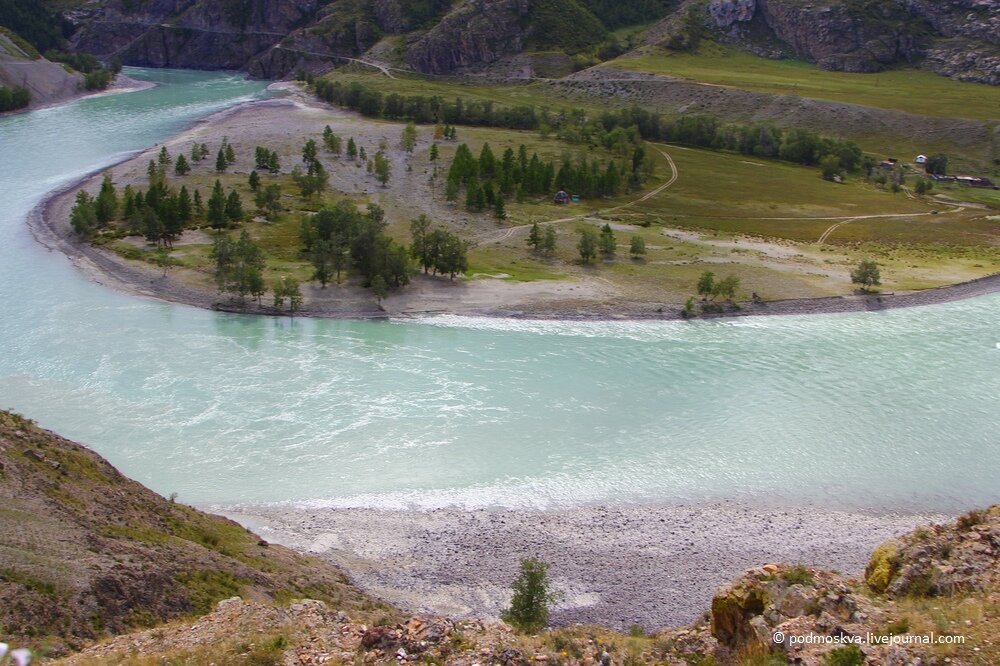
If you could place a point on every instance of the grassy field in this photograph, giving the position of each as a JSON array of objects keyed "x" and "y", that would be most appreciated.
[{"x": 910, "y": 90}]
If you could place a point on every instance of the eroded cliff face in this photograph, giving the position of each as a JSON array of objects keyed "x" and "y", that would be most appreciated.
[
  {"x": 196, "y": 34},
  {"x": 959, "y": 38},
  {"x": 477, "y": 32}
]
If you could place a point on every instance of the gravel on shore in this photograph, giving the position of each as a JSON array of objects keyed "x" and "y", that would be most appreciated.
[{"x": 615, "y": 566}]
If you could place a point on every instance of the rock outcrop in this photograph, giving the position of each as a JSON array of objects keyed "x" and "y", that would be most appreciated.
[
  {"x": 194, "y": 34},
  {"x": 478, "y": 31},
  {"x": 727, "y": 12}
]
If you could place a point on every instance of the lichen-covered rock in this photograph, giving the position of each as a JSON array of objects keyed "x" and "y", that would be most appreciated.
[
  {"x": 883, "y": 566},
  {"x": 943, "y": 559}
]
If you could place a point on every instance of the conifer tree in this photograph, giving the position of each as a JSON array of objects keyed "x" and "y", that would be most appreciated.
[
  {"x": 234, "y": 207},
  {"x": 217, "y": 207},
  {"x": 182, "y": 168},
  {"x": 535, "y": 237}
]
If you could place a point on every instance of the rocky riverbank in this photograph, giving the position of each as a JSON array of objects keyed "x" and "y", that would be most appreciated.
[{"x": 615, "y": 566}]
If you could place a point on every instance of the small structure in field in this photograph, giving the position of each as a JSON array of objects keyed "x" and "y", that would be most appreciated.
[
  {"x": 561, "y": 198},
  {"x": 921, "y": 159}
]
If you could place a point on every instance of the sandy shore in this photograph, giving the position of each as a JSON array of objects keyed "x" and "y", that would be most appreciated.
[
  {"x": 651, "y": 565},
  {"x": 287, "y": 119}
]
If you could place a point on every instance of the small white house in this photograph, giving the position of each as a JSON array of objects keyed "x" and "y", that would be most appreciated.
[{"x": 921, "y": 159}]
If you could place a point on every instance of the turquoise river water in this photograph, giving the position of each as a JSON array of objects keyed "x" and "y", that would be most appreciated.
[{"x": 894, "y": 410}]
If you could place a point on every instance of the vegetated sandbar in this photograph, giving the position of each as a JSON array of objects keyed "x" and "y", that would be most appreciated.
[
  {"x": 653, "y": 565},
  {"x": 570, "y": 299}
]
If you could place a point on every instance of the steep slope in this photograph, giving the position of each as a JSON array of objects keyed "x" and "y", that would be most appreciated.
[
  {"x": 195, "y": 34},
  {"x": 84, "y": 551},
  {"x": 47, "y": 81},
  {"x": 959, "y": 38}
]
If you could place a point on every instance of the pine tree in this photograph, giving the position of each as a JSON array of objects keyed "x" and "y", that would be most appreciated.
[
  {"x": 332, "y": 141},
  {"x": 106, "y": 204},
  {"x": 199, "y": 207},
  {"x": 499, "y": 209},
  {"x": 273, "y": 164},
  {"x": 234, "y": 207},
  {"x": 637, "y": 248},
  {"x": 164, "y": 158},
  {"x": 217, "y": 207},
  {"x": 549, "y": 241},
  {"x": 473, "y": 196},
  {"x": 254, "y": 180},
  {"x": 230, "y": 154},
  {"x": 435, "y": 152},
  {"x": 182, "y": 168},
  {"x": 588, "y": 244},
  {"x": 309, "y": 152},
  {"x": 352, "y": 148},
  {"x": 607, "y": 242},
  {"x": 535, "y": 237},
  {"x": 184, "y": 207},
  {"x": 220, "y": 161}
]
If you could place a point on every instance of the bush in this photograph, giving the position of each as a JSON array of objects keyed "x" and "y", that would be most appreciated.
[
  {"x": 882, "y": 567},
  {"x": 971, "y": 519},
  {"x": 797, "y": 575},
  {"x": 850, "y": 655},
  {"x": 529, "y": 607}
]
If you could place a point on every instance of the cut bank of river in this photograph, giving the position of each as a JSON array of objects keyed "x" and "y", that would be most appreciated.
[{"x": 898, "y": 410}]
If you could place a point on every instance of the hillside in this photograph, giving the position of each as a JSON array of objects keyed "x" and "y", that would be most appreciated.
[
  {"x": 86, "y": 552},
  {"x": 22, "y": 67},
  {"x": 958, "y": 38}
]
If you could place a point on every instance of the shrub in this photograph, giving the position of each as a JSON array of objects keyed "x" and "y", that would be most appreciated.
[
  {"x": 850, "y": 655},
  {"x": 529, "y": 607},
  {"x": 971, "y": 519},
  {"x": 797, "y": 575}
]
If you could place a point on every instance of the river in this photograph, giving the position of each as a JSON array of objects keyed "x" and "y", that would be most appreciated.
[{"x": 895, "y": 410}]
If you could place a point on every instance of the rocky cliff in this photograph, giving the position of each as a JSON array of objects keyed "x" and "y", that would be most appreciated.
[
  {"x": 196, "y": 34},
  {"x": 959, "y": 38},
  {"x": 478, "y": 31},
  {"x": 275, "y": 38}
]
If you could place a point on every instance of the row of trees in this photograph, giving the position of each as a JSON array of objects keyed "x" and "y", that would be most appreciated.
[
  {"x": 12, "y": 99},
  {"x": 423, "y": 109},
  {"x": 799, "y": 146}
]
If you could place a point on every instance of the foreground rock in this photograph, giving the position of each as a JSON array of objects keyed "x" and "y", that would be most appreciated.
[{"x": 85, "y": 552}]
